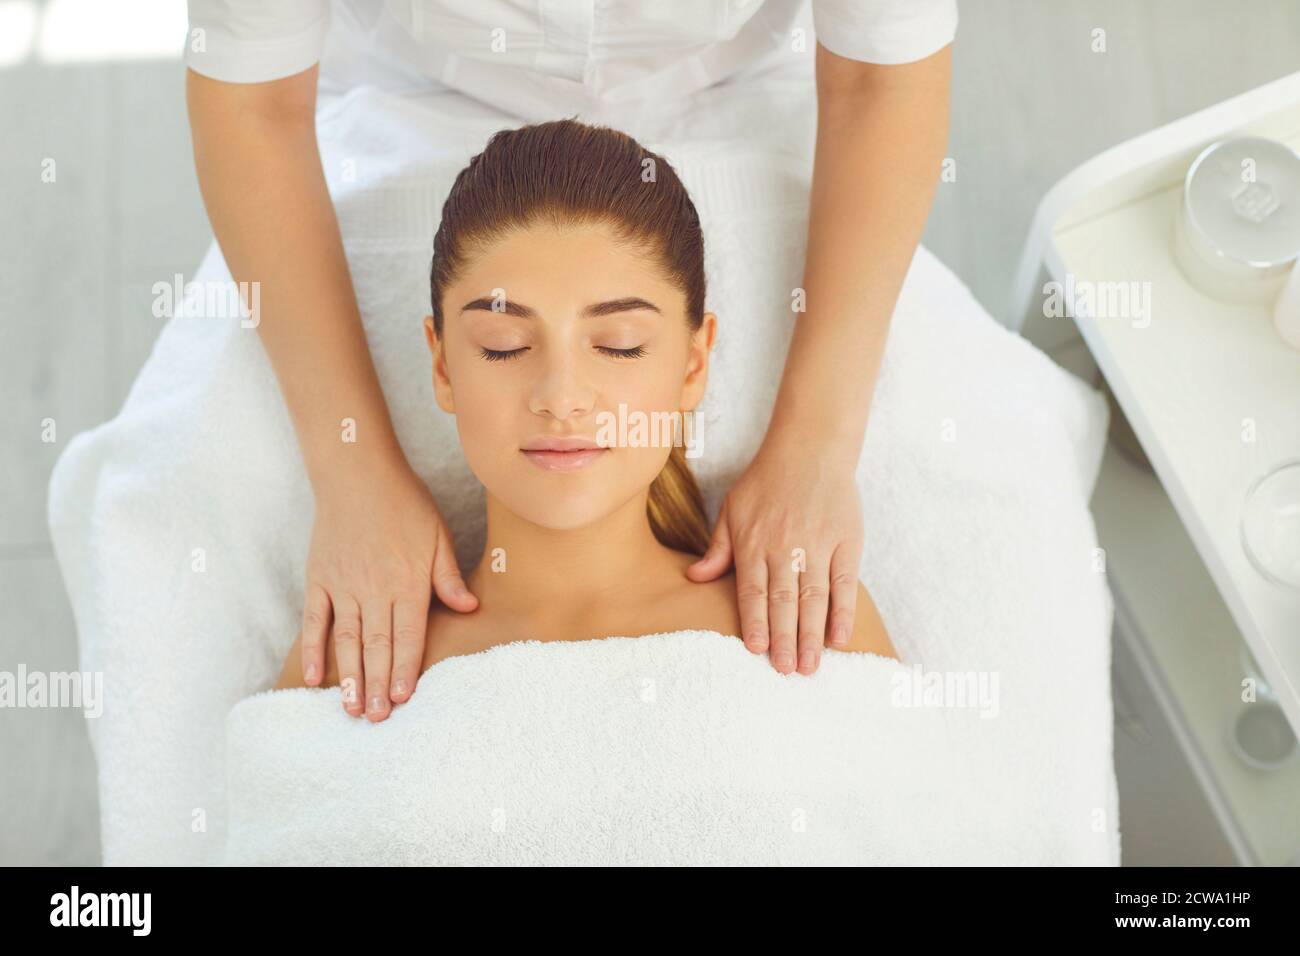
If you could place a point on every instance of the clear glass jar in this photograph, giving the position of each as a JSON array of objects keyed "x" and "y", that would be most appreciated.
[{"x": 1270, "y": 525}]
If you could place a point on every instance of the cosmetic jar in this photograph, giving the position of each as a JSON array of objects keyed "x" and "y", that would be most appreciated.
[
  {"x": 1270, "y": 525},
  {"x": 1261, "y": 737},
  {"x": 1237, "y": 232}
]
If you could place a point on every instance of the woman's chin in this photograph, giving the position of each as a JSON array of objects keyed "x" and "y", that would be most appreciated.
[
  {"x": 559, "y": 505},
  {"x": 566, "y": 500}
]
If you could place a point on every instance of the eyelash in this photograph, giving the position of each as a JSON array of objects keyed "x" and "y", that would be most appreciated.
[
  {"x": 624, "y": 353},
  {"x": 493, "y": 355}
]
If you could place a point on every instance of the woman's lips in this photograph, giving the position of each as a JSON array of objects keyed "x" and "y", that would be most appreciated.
[{"x": 555, "y": 460}]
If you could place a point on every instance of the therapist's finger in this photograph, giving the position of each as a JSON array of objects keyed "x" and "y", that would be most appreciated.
[
  {"x": 446, "y": 579},
  {"x": 751, "y": 596},
  {"x": 844, "y": 593},
  {"x": 377, "y": 655},
  {"x": 782, "y": 612},
  {"x": 719, "y": 556},
  {"x": 410, "y": 621},
  {"x": 316, "y": 615},
  {"x": 814, "y": 602},
  {"x": 346, "y": 634}
]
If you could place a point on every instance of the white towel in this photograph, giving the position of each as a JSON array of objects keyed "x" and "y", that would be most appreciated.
[
  {"x": 669, "y": 749},
  {"x": 181, "y": 526}
]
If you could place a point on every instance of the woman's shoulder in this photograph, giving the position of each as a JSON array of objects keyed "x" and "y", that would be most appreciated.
[{"x": 704, "y": 605}]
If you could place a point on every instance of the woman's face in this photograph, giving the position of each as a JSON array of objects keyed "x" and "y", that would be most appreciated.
[{"x": 545, "y": 335}]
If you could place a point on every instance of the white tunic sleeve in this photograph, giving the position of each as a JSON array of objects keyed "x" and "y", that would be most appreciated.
[
  {"x": 885, "y": 31},
  {"x": 252, "y": 41}
]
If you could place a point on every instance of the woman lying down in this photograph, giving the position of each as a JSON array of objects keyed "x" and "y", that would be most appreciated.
[
  {"x": 568, "y": 295},
  {"x": 598, "y": 706}
]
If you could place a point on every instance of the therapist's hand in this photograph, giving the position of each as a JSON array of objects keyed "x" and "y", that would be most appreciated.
[
  {"x": 792, "y": 525},
  {"x": 379, "y": 546}
]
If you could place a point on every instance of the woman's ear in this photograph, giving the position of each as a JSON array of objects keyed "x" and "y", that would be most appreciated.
[
  {"x": 441, "y": 382},
  {"x": 428, "y": 334},
  {"x": 697, "y": 362}
]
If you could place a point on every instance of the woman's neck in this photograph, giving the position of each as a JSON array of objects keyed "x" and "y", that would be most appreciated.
[{"x": 546, "y": 580}]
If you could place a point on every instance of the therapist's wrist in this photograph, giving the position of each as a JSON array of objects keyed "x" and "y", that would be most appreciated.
[
  {"x": 349, "y": 466},
  {"x": 793, "y": 438}
]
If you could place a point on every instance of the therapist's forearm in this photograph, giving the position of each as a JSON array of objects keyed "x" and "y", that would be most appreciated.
[
  {"x": 260, "y": 174},
  {"x": 881, "y": 136}
]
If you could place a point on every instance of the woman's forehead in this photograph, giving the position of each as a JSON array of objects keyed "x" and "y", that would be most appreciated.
[{"x": 563, "y": 265}]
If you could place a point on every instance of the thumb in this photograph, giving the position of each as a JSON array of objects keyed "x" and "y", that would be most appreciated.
[
  {"x": 448, "y": 585},
  {"x": 718, "y": 558}
]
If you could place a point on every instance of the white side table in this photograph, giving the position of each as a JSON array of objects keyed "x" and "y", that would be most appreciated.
[{"x": 1213, "y": 395}]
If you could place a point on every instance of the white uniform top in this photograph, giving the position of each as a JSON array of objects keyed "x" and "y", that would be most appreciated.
[{"x": 541, "y": 59}]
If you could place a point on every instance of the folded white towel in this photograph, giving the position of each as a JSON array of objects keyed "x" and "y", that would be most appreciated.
[
  {"x": 678, "y": 748},
  {"x": 181, "y": 526}
]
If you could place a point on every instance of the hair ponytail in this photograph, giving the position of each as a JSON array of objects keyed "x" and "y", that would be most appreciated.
[{"x": 676, "y": 507}]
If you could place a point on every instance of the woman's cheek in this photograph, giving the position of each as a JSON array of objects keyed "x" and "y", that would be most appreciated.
[
  {"x": 488, "y": 422},
  {"x": 650, "y": 401},
  {"x": 644, "y": 427}
]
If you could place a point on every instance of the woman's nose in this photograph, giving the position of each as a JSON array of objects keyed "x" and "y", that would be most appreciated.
[{"x": 561, "y": 390}]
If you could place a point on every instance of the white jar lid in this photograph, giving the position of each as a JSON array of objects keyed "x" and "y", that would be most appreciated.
[{"x": 1239, "y": 222}]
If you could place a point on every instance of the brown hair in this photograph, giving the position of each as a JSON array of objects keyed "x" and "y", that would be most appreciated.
[{"x": 565, "y": 171}]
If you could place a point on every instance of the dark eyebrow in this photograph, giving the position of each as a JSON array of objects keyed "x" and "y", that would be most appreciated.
[{"x": 626, "y": 304}]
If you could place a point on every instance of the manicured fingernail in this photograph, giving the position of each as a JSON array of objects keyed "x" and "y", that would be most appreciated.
[
  {"x": 807, "y": 660},
  {"x": 376, "y": 705},
  {"x": 311, "y": 672},
  {"x": 399, "y": 688},
  {"x": 785, "y": 659},
  {"x": 840, "y": 635}
]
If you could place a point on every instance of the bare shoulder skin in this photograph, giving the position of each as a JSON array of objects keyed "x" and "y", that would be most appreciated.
[{"x": 705, "y": 606}]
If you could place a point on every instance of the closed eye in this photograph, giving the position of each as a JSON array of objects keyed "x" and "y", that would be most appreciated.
[
  {"x": 492, "y": 355},
  {"x": 623, "y": 353},
  {"x": 495, "y": 355}
]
